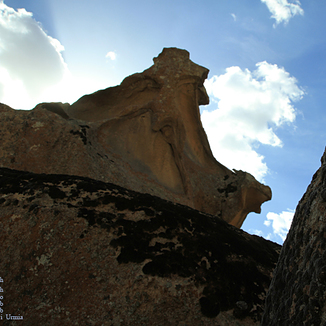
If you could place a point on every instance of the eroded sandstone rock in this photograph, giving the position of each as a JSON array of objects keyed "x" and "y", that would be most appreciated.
[
  {"x": 297, "y": 295},
  {"x": 77, "y": 251},
  {"x": 144, "y": 134}
]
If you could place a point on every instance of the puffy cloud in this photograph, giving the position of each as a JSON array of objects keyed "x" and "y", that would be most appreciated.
[
  {"x": 256, "y": 232},
  {"x": 280, "y": 223},
  {"x": 111, "y": 55},
  {"x": 250, "y": 107},
  {"x": 30, "y": 60},
  {"x": 282, "y": 11}
]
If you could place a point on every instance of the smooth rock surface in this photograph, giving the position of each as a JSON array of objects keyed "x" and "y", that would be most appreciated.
[
  {"x": 78, "y": 251},
  {"x": 297, "y": 295},
  {"x": 145, "y": 135}
]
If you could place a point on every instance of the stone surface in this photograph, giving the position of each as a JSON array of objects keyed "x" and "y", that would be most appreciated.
[
  {"x": 78, "y": 251},
  {"x": 297, "y": 295},
  {"x": 145, "y": 135}
]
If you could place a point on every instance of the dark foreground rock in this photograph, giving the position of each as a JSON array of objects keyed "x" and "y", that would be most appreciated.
[
  {"x": 76, "y": 251},
  {"x": 297, "y": 295}
]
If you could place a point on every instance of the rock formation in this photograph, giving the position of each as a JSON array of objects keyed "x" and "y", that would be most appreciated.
[
  {"x": 297, "y": 295},
  {"x": 145, "y": 135},
  {"x": 77, "y": 251}
]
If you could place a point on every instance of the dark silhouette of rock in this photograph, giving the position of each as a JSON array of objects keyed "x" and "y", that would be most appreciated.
[
  {"x": 297, "y": 295},
  {"x": 145, "y": 135},
  {"x": 78, "y": 251}
]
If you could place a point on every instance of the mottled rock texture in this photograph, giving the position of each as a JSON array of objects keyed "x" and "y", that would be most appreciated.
[
  {"x": 297, "y": 295},
  {"x": 77, "y": 251},
  {"x": 145, "y": 135}
]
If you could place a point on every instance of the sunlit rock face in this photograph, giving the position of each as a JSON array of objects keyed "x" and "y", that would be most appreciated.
[
  {"x": 145, "y": 135},
  {"x": 297, "y": 295}
]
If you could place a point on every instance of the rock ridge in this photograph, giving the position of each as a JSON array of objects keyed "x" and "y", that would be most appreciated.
[{"x": 144, "y": 135}]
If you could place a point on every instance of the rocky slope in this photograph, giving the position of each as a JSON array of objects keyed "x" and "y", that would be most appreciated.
[{"x": 77, "y": 251}]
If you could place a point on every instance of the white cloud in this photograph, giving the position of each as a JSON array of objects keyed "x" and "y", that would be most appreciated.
[
  {"x": 282, "y": 10},
  {"x": 250, "y": 107},
  {"x": 30, "y": 60},
  {"x": 256, "y": 232},
  {"x": 71, "y": 88},
  {"x": 280, "y": 223},
  {"x": 111, "y": 55},
  {"x": 234, "y": 17}
]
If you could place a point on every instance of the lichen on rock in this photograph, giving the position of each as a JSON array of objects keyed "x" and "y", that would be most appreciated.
[{"x": 81, "y": 251}]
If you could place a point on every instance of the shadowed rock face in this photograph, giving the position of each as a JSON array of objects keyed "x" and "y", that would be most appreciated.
[
  {"x": 297, "y": 295},
  {"x": 144, "y": 135},
  {"x": 81, "y": 251}
]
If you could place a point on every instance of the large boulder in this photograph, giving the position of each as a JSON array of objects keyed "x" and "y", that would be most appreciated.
[
  {"x": 78, "y": 251},
  {"x": 297, "y": 295},
  {"x": 145, "y": 135}
]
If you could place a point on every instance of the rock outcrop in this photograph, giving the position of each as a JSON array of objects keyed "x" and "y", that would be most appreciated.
[
  {"x": 78, "y": 251},
  {"x": 144, "y": 135},
  {"x": 297, "y": 295}
]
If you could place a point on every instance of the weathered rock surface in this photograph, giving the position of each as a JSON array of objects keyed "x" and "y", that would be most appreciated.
[
  {"x": 297, "y": 295},
  {"x": 77, "y": 251},
  {"x": 145, "y": 135}
]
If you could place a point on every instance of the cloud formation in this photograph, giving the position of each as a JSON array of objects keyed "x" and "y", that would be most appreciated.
[
  {"x": 280, "y": 223},
  {"x": 282, "y": 10},
  {"x": 30, "y": 60},
  {"x": 249, "y": 107},
  {"x": 111, "y": 55}
]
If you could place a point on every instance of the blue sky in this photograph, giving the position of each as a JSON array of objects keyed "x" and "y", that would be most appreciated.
[{"x": 266, "y": 82}]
